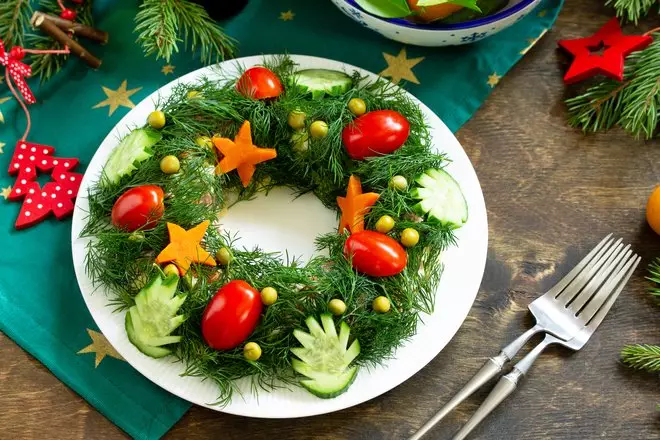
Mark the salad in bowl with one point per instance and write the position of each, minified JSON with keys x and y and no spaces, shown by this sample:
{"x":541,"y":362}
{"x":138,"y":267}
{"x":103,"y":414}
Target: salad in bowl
{"x":436,"y":22}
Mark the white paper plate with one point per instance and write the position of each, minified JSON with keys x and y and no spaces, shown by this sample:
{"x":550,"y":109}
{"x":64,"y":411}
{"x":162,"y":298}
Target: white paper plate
{"x":284,"y":224}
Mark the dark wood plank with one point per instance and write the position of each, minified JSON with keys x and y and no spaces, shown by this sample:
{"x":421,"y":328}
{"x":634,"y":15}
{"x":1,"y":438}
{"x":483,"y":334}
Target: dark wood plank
{"x":36,"y":405}
{"x":551,"y":193}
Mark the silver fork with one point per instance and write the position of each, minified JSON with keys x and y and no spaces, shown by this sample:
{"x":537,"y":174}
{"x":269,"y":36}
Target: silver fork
{"x":552,"y":316}
{"x":592,"y":314}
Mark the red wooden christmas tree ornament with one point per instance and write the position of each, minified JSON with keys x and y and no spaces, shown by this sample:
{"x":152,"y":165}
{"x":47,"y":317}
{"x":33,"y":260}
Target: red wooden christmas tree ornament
{"x":29,"y":158}
{"x":614,"y":45}
{"x":56,"y":196}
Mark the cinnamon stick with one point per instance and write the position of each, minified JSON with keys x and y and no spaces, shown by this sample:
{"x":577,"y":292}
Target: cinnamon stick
{"x":40,"y":21}
{"x":79,"y":29}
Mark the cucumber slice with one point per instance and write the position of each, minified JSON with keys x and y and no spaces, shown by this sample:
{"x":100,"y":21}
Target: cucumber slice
{"x":320,"y":82}
{"x":150,"y":322}
{"x":441,"y":198}
{"x":133,"y":149}
{"x":324,"y":358}
{"x":190,"y":280}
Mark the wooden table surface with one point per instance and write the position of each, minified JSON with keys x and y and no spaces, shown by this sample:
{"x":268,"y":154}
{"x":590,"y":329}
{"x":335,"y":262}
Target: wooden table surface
{"x":551,"y":194}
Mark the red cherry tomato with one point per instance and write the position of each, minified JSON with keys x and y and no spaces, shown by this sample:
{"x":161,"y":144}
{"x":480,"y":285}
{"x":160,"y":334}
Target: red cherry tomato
{"x":138,"y":208}
{"x":231,"y":315}
{"x":259,"y":83}
{"x":375,"y":254}
{"x":375,"y":133}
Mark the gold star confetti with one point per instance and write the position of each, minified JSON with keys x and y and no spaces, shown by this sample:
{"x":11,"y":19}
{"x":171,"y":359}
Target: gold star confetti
{"x":116,"y":98}
{"x":167,"y":69}
{"x":542,"y":13}
{"x":3,"y":100}
{"x":532,"y":42}
{"x":287,"y":15}
{"x":100,"y":347}
{"x":493,"y":79}
{"x":5,"y":192}
{"x":400,"y":67}
{"x":2,"y":145}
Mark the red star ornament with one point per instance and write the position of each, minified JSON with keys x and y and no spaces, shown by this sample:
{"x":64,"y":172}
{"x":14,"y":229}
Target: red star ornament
{"x":616,"y":47}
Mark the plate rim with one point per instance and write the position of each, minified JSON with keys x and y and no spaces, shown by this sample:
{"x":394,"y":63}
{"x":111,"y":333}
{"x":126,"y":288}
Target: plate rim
{"x":125,"y":123}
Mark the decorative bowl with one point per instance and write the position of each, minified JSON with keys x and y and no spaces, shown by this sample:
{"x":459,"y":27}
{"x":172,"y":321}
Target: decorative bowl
{"x":404,"y":31}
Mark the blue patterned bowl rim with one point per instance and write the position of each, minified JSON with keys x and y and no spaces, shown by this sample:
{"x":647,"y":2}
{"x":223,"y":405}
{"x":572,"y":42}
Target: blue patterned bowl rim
{"x":466,"y":25}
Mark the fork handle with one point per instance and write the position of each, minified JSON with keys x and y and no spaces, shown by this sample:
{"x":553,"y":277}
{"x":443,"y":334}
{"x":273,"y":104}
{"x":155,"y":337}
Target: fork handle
{"x":490,"y":369}
{"x":506,"y":385}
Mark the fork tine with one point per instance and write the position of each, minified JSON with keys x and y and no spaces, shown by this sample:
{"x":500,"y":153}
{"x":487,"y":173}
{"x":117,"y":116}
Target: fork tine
{"x":600,"y":304}
{"x":587,"y":274}
{"x":607,"y":270}
{"x":561,"y":285}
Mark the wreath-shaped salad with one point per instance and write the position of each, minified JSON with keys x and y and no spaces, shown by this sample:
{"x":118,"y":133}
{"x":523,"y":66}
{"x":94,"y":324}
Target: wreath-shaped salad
{"x":362,"y":147}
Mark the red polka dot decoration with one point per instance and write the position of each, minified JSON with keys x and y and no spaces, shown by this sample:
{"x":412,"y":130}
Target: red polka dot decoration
{"x":57,"y":196}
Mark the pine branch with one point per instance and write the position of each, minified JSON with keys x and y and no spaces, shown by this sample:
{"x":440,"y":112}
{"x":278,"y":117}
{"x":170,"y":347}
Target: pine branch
{"x":162,"y":24}
{"x":633,"y":104}
{"x":45,"y":66}
{"x":654,"y":275}
{"x":642,"y":357}
{"x":14,"y":19}
{"x":632,"y":10}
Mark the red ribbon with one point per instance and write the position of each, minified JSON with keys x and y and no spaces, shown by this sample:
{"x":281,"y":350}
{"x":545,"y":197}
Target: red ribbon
{"x":17,"y":70}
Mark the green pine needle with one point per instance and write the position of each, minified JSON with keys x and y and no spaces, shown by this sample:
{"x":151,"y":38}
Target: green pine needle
{"x":14,"y":19}
{"x":633,"y":104}
{"x":654,"y":275}
{"x":642,"y":357}
{"x":162,"y":24}
{"x":46,"y":65}
{"x":632,"y":10}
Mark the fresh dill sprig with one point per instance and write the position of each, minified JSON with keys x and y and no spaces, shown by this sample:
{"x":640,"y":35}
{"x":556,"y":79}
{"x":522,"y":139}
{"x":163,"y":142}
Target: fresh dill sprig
{"x":123,"y":261}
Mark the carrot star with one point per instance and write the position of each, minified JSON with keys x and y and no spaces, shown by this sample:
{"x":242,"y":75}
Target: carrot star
{"x":241,"y":154}
{"x":184,"y":247}
{"x":354,"y":206}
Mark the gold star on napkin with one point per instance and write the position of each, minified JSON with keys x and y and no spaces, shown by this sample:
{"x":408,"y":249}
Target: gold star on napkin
{"x":100,"y":347}
{"x":287,"y":15}
{"x":5,"y":192}
{"x":116,"y":98}
{"x":400,"y":67}
{"x":493,"y":79}
{"x":167,"y":69}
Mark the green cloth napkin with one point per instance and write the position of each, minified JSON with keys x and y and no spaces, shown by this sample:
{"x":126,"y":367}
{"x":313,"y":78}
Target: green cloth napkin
{"x":40,"y":305}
